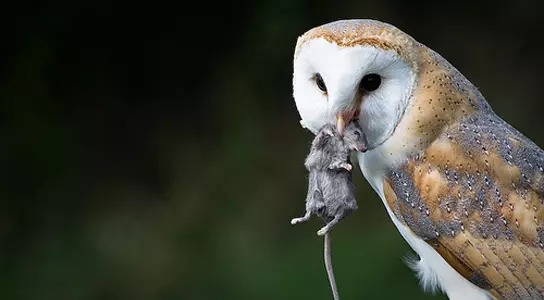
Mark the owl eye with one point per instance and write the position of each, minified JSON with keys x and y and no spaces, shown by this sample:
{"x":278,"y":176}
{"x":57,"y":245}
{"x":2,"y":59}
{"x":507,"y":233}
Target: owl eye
{"x":320,"y":83}
{"x":370,"y":82}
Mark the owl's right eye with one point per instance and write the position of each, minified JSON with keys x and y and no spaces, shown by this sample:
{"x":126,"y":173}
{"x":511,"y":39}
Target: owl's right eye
{"x":320,"y":83}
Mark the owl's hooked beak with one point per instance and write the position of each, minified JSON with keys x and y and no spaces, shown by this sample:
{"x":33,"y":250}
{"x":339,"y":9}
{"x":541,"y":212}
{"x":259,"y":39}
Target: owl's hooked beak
{"x":340,"y":123}
{"x":346,"y":116}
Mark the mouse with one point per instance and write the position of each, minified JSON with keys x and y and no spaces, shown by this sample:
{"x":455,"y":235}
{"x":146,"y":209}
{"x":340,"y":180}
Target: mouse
{"x":331,"y":193}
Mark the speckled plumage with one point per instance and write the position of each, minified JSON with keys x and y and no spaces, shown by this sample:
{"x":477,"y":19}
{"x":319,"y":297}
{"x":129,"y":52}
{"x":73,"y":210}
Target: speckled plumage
{"x":476,"y":193}
{"x":454,"y":173}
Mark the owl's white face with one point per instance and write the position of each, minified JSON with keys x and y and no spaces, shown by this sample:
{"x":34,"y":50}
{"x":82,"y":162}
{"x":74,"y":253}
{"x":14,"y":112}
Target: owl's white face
{"x":332,"y":82}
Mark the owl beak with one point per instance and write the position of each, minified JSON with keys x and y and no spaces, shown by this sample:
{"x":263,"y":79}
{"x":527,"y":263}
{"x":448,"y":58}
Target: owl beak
{"x":345,"y":117}
{"x":340,"y":124}
{"x":347,"y":108}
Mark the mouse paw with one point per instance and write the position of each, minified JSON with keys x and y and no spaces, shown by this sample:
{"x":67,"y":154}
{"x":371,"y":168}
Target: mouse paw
{"x":297,"y":220}
{"x":328,"y":131}
{"x":323,"y":231}
{"x":347,"y":166}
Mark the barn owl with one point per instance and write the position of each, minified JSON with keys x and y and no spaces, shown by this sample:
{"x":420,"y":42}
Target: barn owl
{"x":463,"y":187}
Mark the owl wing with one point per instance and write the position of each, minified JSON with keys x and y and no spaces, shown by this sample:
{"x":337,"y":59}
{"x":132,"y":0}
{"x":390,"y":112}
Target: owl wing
{"x":476,"y":196}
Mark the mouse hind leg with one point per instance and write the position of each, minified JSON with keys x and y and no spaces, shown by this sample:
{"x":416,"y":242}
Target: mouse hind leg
{"x":340,"y":214}
{"x":328,"y":227}
{"x":314,"y":203}
{"x":302,"y":219}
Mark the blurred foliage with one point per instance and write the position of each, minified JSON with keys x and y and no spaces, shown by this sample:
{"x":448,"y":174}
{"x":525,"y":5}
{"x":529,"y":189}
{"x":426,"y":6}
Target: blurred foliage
{"x":154,"y":152}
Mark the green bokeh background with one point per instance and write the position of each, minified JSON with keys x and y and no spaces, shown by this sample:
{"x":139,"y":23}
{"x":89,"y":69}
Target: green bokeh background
{"x":153,"y":151}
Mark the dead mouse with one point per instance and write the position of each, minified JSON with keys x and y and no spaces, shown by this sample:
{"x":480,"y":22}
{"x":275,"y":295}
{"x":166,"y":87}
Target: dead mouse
{"x":331,"y":193}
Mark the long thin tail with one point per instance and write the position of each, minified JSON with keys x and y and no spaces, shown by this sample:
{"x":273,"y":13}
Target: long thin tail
{"x":328,"y":265}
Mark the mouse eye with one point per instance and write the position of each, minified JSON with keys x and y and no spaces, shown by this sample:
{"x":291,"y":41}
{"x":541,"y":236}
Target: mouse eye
{"x":357,"y":133}
{"x":320,"y":83}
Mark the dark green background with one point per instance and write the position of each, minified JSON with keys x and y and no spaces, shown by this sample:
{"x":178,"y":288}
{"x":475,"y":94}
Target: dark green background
{"x":153,"y":151}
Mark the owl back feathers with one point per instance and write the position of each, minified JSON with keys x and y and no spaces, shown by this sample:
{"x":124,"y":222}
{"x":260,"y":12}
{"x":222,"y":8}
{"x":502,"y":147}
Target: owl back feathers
{"x":476,"y":196}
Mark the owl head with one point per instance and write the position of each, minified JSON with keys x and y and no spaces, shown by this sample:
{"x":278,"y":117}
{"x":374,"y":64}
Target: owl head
{"x":352,"y":69}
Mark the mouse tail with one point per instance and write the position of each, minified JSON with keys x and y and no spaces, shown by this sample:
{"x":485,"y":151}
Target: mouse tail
{"x":328,"y":266}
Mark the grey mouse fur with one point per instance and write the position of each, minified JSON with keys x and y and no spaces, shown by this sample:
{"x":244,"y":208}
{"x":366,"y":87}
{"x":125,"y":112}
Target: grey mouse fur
{"x":331,"y":193}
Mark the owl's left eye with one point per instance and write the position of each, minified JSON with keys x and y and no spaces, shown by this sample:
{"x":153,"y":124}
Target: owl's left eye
{"x":371,"y":82}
